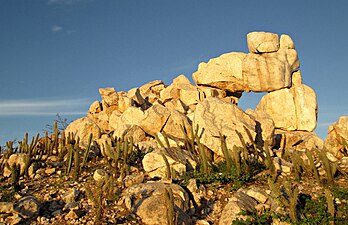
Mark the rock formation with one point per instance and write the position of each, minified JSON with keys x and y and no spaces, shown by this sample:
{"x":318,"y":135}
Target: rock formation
{"x":271,"y":66}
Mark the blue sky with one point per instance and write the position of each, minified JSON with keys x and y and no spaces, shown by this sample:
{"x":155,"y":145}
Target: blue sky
{"x":56,"y":54}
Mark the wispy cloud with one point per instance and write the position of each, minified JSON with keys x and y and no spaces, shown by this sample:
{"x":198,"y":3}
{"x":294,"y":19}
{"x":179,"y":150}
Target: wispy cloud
{"x":44,"y":107}
{"x":56,"y":28}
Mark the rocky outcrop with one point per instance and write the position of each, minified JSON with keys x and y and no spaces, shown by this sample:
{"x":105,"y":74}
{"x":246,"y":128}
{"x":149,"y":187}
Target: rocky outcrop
{"x":266,"y":68}
{"x":337,"y":139}
{"x":270,"y":66}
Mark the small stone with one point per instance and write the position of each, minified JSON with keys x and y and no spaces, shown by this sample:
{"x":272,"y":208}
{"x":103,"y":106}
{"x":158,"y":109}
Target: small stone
{"x":258,"y":195}
{"x":70,"y":196}
{"x":50,"y":171}
{"x":6,"y":207}
{"x":100,"y":175}
{"x":28,"y":207}
{"x":71,"y":215}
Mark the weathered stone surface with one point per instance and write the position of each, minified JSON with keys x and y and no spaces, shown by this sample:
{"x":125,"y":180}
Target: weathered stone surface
{"x":70,"y":195}
{"x":264,"y":127}
{"x":260,"y":42}
{"x":100,"y":175}
{"x":217,"y":117}
{"x":154,"y":119}
{"x":132,"y":116}
{"x":298,"y":140}
{"x":124,"y":103}
{"x":269,"y":71}
{"x":82,"y":128}
{"x":237,"y":72}
{"x":306,"y":107}
{"x":257,"y":194}
{"x":109,"y":96}
{"x":94,"y":109}
{"x":291,"y":109}
{"x":337,"y":139}
{"x":280,"y":106}
{"x":296,"y":78}
{"x":151,"y":204}
{"x":176,"y":105}
{"x":224,"y":72}
{"x":18,"y":159}
{"x":102,"y":120}
{"x":151,"y":91}
{"x":238,"y":203}
{"x":174,"y":123}
{"x":27,"y":207}
{"x":205,"y":92}
{"x":130,"y":131}
{"x":189,"y":94}
{"x":180,"y":161}
{"x":6,"y":207}
{"x":286,"y":42}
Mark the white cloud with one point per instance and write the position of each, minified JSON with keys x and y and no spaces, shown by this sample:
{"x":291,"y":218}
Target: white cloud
{"x":56,"y":28}
{"x":44,"y":107}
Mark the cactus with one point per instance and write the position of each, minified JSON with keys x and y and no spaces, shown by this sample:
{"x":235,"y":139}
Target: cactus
{"x":237,"y":159}
{"x":293,"y":199}
{"x":226,"y":153}
{"x":70,"y":158}
{"x":313,"y":167}
{"x":330,"y":168}
{"x":330,"y":204}
{"x":76,"y":163}
{"x":85,"y":156}
{"x":169,"y":199}
{"x":15,"y":173}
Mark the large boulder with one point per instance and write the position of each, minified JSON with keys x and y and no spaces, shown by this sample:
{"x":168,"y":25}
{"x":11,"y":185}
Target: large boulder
{"x":264,"y":127}
{"x":266,"y":68}
{"x":16,"y":159}
{"x":298,"y":140}
{"x":180,"y":161}
{"x":337,"y":139}
{"x":82,"y":128}
{"x":286,"y":42}
{"x":173,"y":125}
{"x":224,"y":72}
{"x":291,"y":109}
{"x":216,"y":117}
{"x":154,"y":119}
{"x":260,"y":42}
{"x":151,"y":203}
{"x":269,"y":71}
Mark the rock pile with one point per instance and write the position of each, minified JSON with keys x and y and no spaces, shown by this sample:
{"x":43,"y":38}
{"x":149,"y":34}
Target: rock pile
{"x":212,"y":104}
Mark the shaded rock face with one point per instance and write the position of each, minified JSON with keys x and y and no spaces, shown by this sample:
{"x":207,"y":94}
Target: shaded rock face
{"x":337,"y":139}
